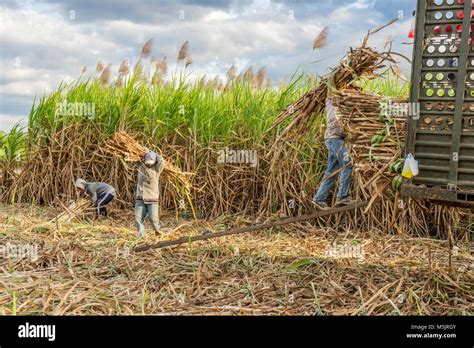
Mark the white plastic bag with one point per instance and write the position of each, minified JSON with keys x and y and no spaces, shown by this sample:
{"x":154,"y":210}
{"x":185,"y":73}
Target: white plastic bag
{"x":410,"y":167}
{"x":414,"y":166}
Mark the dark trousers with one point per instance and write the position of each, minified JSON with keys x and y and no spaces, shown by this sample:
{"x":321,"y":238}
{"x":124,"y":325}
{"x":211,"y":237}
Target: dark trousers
{"x":102,"y":201}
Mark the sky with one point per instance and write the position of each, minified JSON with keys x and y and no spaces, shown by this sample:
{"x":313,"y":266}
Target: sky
{"x":44,"y":42}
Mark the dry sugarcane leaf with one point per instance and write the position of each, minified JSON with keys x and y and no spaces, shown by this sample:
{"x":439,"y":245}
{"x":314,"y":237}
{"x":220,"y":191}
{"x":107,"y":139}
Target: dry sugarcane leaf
{"x":321,"y":39}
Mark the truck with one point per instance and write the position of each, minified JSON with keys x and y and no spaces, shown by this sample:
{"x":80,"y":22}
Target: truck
{"x":440,"y":134}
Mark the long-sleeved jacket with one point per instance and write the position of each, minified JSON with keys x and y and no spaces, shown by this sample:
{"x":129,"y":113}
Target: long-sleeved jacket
{"x":98,"y":189}
{"x":148,"y":182}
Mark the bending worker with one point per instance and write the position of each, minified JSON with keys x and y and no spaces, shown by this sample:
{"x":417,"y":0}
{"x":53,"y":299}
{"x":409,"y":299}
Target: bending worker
{"x":100,"y":193}
{"x":147,"y":195}
{"x":339,"y":160}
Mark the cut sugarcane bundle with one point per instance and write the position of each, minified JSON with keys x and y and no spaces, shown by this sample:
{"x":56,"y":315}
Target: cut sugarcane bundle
{"x":127,"y":147}
{"x":360,"y":62}
{"x":375,"y":133}
{"x":124,"y":145}
{"x":75,"y":209}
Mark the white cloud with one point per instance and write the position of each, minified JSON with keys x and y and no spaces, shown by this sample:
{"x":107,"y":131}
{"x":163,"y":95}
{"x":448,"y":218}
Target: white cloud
{"x":60,"y":36}
{"x":355,"y":12}
{"x":62,"y":46}
{"x":216,"y":16}
{"x":362,"y":4}
{"x":8,"y":121}
{"x":52,"y":47}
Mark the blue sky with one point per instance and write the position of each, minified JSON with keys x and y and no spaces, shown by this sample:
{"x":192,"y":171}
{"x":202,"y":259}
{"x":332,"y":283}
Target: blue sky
{"x":43,"y":42}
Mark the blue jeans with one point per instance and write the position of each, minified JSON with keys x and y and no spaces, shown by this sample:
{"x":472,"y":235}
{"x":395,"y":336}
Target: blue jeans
{"x":338,"y":158}
{"x":102,"y":201}
{"x":143,"y":210}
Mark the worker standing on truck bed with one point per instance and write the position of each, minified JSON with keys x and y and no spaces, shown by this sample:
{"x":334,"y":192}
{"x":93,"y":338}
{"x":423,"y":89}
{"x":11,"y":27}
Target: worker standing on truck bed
{"x":339,"y":160}
{"x":148,"y":192}
{"x":100,"y":193}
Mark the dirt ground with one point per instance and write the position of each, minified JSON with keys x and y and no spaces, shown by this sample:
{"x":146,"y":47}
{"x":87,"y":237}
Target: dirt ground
{"x":88,"y":267}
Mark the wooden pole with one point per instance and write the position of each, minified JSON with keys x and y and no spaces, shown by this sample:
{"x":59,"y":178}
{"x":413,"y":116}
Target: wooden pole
{"x":450,"y":239}
{"x":252,"y":228}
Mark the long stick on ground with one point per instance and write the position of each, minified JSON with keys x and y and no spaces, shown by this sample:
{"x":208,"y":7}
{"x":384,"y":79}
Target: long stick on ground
{"x":246,"y":229}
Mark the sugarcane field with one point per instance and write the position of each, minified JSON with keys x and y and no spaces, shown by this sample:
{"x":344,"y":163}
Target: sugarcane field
{"x":329,"y":175}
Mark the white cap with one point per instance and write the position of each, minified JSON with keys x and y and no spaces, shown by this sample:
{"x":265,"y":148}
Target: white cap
{"x":150,"y":158}
{"x":80,"y":183}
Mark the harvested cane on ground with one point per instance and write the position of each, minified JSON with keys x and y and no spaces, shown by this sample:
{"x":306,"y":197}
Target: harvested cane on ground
{"x":75,"y":209}
{"x":88,"y":271}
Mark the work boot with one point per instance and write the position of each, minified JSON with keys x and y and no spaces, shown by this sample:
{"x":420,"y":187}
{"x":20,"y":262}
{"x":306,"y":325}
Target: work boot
{"x":321,"y":205}
{"x":163,"y":230}
{"x":344,"y":202}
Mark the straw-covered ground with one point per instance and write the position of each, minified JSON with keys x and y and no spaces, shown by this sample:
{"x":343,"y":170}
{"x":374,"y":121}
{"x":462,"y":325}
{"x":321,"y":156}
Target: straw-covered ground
{"x":87,"y":268}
